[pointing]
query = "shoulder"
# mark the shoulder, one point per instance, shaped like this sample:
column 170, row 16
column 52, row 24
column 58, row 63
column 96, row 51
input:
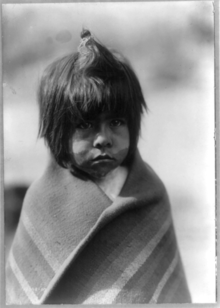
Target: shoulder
column 143, row 180
column 50, row 186
column 153, row 177
column 143, row 172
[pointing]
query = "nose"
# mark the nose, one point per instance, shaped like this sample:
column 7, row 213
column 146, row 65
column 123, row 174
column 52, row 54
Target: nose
column 103, row 138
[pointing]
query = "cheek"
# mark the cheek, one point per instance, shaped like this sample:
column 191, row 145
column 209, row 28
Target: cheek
column 122, row 139
column 125, row 142
column 79, row 146
column 80, row 149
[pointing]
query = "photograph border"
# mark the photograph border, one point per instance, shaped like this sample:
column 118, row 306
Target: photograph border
column 217, row 155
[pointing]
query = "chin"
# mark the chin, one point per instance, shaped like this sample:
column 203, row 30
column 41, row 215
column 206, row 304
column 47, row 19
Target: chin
column 102, row 172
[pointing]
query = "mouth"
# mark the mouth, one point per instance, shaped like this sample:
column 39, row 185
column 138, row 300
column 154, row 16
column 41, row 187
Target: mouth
column 103, row 157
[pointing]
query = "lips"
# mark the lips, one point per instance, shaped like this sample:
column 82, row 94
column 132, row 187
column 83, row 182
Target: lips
column 103, row 157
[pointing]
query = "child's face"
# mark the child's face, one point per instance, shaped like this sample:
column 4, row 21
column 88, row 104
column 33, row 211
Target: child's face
column 100, row 144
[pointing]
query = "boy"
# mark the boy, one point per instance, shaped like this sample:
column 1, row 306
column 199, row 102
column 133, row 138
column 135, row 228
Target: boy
column 96, row 228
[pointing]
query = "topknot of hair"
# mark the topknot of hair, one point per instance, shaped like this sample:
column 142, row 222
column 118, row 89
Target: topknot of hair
column 86, row 42
column 85, row 34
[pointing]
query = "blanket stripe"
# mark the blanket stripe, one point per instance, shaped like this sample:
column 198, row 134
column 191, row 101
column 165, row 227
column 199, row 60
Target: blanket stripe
column 108, row 297
column 39, row 242
column 146, row 272
column 22, row 280
column 164, row 279
column 15, row 293
column 173, row 287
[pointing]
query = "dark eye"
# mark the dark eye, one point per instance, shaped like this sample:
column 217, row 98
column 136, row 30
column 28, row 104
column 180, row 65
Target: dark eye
column 117, row 122
column 84, row 125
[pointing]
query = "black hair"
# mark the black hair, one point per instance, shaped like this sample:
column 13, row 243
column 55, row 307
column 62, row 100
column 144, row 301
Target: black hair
column 92, row 80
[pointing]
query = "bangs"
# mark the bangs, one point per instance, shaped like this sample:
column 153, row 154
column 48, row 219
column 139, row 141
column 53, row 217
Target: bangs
column 94, row 95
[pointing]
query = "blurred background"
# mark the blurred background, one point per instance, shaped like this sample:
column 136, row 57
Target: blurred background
column 171, row 48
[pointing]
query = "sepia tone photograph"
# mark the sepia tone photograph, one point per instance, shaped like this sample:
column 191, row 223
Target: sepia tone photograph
column 109, row 153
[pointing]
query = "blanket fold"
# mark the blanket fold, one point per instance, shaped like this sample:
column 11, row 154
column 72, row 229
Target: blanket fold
column 74, row 245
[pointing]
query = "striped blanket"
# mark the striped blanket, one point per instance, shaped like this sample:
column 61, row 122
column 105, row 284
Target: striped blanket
column 74, row 245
